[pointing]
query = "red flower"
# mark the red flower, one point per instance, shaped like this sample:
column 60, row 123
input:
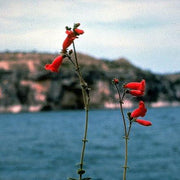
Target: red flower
column 54, row 66
column 136, row 92
column 116, row 81
column 140, row 111
column 143, row 122
column 136, row 85
column 71, row 35
column 69, row 39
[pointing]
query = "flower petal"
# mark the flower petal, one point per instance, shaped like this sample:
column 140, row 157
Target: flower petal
column 136, row 92
column 140, row 111
column 143, row 122
column 54, row 66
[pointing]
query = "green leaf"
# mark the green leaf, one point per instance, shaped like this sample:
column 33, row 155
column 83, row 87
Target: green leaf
column 72, row 179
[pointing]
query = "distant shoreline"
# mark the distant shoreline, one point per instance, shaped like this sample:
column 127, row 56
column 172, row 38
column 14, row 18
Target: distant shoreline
column 38, row 108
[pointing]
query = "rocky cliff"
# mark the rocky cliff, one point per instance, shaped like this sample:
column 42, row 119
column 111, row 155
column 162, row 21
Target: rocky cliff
column 26, row 86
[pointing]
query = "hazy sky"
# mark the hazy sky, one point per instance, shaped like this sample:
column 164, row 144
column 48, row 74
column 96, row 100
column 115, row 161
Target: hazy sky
column 146, row 32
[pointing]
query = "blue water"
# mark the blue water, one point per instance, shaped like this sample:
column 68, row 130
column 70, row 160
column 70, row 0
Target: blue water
column 47, row 145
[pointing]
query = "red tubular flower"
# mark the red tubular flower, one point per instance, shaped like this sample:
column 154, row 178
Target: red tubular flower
column 143, row 122
column 71, row 35
column 136, row 92
column 54, row 66
column 140, row 111
column 136, row 85
column 69, row 39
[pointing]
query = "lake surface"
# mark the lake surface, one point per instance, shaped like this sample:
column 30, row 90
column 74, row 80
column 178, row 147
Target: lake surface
column 47, row 145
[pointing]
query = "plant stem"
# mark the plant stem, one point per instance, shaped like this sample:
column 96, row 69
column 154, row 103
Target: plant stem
column 126, row 157
column 86, row 100
column 130, row 124
column 126, row 133
column 84, row 139
column 121, row 109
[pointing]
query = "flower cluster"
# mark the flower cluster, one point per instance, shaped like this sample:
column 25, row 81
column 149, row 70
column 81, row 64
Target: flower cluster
column 71, row 36
column 138, row 89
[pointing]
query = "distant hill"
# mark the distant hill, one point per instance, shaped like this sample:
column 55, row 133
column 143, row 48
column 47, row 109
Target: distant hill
column 26, row 86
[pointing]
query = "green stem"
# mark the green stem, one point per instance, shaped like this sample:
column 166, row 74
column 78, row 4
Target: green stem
column 126, row 150
column 84, row 139
column 126, row 132
column 126, row 157
column 86, row 100
column 121, row 109
column 75, row 54
column 130, row 124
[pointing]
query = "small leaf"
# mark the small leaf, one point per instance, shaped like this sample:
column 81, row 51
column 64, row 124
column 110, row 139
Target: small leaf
column 81, row 171
column 72, row 179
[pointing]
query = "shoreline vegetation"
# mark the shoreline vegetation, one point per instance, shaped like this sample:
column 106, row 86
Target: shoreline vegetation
column 25, row 86
column 32, row 109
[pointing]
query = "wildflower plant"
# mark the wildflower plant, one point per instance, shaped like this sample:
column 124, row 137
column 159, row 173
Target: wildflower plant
column 135, row 89
column 72, row 34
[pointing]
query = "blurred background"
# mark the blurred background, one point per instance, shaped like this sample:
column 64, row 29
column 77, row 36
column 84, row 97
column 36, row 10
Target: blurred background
column 144, row 31
column 129, row 40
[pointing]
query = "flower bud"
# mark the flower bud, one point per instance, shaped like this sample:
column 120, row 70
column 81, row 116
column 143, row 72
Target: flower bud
column 76, row 25
column 129, row 116
column 70, row 51
column 116, row 81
